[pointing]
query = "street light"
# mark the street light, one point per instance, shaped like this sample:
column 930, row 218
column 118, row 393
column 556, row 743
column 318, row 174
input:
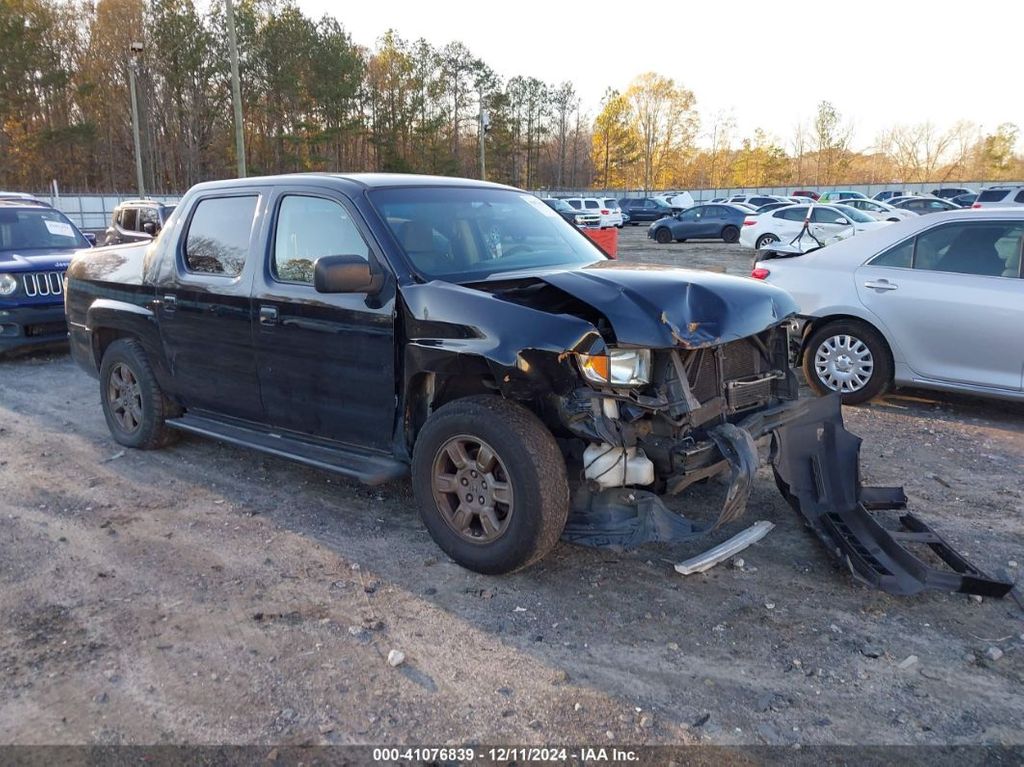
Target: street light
column 135, row 49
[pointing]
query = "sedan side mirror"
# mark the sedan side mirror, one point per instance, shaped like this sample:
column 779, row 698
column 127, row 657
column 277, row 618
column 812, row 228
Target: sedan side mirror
column 842, row 221
column 346, row 274
column 149, row 228
column 90, row 237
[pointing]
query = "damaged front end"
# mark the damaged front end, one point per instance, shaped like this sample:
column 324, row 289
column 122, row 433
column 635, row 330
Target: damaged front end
column 703, row 415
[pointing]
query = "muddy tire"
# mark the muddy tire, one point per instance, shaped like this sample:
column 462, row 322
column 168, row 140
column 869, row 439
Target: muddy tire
column 133, row 403
column 848, row 357
column 490, row 484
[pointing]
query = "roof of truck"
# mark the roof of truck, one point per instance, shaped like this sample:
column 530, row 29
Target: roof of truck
column 360, row 180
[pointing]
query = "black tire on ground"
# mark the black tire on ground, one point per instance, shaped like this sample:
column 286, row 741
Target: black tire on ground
column 730, row 234
column 765, row 240
column 681, row 239
column 857, row 333
column 663, row 235
column 133, row 403
column 532, row 465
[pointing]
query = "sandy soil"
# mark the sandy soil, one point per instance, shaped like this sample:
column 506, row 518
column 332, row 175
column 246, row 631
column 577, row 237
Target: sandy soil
column 207, row 594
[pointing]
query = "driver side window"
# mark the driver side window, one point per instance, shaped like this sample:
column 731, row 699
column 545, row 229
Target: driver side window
column 825, row 216
column 689, row 215
column 308, row 228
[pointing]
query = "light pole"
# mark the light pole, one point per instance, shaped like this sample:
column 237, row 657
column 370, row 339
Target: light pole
column 133, row 64
column 485, row 126
column 236, row 88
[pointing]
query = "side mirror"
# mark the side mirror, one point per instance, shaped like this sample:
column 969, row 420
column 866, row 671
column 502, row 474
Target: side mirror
column 842, row 221
column 345, row 274
column 149, row 228
column 90, row 237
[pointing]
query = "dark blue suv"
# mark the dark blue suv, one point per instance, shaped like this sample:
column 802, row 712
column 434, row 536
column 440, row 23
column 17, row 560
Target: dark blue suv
column 36, row 245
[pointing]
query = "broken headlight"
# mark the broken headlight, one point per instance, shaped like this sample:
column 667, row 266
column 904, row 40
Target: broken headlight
column 620, row 367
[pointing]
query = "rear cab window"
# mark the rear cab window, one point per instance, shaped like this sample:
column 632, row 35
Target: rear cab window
column 219, row 234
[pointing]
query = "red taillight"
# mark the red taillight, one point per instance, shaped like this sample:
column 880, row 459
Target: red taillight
column 976, row 205
column 760, row 273
column 606, row 212
column 749, row 221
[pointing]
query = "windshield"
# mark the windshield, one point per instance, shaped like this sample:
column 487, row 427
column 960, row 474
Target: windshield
column 464, row 234
column 854, row 215
column 24, row 229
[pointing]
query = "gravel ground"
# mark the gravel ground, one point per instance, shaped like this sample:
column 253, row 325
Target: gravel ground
column 207, row 594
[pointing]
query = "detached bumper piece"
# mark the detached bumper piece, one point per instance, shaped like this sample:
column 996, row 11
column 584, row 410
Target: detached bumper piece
column 817, row 470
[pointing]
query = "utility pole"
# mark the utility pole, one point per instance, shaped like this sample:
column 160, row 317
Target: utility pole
column 133, row 64
column 485, row 125
column 236, row 89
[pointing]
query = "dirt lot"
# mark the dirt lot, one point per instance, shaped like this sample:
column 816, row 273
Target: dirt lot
column 208, row 594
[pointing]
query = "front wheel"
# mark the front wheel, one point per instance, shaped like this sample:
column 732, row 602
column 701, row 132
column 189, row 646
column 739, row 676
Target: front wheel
column 730, row 234
column 133, row 403
column 848, row 357
column 663, row 236
column 490, row 484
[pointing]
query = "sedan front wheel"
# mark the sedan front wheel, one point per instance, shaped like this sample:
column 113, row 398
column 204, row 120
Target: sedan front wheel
column 850, row 358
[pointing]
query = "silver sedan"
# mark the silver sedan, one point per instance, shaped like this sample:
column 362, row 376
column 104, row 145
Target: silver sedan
column 934, row 302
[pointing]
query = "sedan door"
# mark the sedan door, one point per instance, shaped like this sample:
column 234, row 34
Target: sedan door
column 825, row 223
column 326, row 360
column 953, row 301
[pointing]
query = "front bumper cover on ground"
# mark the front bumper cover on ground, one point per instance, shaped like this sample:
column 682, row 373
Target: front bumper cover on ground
column 817, row 469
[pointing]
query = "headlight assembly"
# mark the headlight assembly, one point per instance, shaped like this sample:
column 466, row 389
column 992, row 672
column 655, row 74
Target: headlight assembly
column 8, row 284
column 620, row 367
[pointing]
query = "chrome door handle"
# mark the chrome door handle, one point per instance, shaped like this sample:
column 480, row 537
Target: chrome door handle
column 268, row 315
column 881, row 285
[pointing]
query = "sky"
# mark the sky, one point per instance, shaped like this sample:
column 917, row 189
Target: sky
column 769, row 64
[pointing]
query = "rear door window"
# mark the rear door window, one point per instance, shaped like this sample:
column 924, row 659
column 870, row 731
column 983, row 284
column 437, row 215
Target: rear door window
column 993, row 195
column 218, row 235
column 793, row 214
column 990, row 249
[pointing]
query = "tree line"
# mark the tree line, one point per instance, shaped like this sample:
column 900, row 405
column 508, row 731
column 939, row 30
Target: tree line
column 313, row 99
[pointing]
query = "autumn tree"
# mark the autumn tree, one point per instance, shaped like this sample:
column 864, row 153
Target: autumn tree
column 615, row 142
column 665, row 121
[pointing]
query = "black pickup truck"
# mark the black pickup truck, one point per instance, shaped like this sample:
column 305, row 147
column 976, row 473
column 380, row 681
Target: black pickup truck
column 376, row 324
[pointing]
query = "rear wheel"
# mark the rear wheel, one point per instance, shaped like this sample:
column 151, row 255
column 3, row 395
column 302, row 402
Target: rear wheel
column 730, row 234
column 848, row 357
column 133, row 403
column 765, row 240
column 490, row 483
column 663, row 236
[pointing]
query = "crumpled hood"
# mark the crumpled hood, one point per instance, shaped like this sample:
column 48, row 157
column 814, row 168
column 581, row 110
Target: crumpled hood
column 35, row 260
column 661, row 307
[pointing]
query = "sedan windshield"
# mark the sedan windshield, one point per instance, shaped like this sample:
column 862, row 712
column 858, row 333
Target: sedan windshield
column 24, row 229
column 465, row 234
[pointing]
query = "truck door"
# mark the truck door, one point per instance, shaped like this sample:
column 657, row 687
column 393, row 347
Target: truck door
column 206, row 307
column 326, row 361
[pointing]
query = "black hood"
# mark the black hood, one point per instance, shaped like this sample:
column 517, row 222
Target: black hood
column 660, row 306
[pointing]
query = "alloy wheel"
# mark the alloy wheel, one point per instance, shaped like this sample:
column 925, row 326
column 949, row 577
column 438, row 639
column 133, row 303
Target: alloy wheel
column 125, row 397
column 472, row 490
